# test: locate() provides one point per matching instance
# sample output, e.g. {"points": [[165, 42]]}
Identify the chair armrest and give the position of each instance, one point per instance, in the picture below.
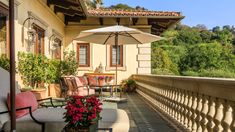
{"points": [[30, 113]]}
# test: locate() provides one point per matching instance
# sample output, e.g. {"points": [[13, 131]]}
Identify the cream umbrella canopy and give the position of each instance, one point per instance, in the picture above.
{"points": [[116, 35]]}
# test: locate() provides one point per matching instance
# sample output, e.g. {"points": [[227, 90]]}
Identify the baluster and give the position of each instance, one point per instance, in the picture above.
{"points": [[189, 114], [218, 115], [182, 114], [227, 120], [176, 105], [167, 101], [233, 122], [164, 100], [205, 110], [186, 110], [172, 102], [198, 113], [194, 115], [211, 114], [179, 105]]}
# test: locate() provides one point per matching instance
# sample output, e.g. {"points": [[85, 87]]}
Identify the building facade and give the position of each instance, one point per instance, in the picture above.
{"points": [[55, 24]]}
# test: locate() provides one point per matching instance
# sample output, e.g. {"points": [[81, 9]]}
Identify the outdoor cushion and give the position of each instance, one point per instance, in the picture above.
{"points": [[116, 119], [83, 80], [24, 99], [92, 81], [5, 89], [53, 117]]}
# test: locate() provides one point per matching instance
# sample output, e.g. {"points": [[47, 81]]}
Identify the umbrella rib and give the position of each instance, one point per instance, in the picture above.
{"points": [[133, 37], [111, 35]]}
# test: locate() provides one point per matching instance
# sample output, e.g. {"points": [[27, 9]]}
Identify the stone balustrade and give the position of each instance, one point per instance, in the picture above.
{"points": [[198, 104]]}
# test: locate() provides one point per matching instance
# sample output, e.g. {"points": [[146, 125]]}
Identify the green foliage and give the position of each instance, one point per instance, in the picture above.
{"points": [[4, 62], [33, 68], [195, 51], [53, 71], [128, 85], [161, 60], [202, 56], [121, 6], [69, 64]]}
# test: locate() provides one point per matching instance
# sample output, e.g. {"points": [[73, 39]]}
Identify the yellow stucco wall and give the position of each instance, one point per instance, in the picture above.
{"points": [[50, 21]]}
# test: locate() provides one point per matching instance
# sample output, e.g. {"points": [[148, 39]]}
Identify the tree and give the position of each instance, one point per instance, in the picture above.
{"points": [[121, 6]]}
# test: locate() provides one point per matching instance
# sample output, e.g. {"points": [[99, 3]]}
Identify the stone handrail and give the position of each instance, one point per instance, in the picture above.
{"points": [[199, 104]]}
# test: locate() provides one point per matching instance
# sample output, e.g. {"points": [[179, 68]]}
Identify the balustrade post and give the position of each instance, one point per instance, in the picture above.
{"points": [[205, 110], [227, 120], [211, 115], [218, 115]]}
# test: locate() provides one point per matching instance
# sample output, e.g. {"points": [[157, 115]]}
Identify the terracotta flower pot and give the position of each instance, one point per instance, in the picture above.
{"points": [[54, 90], [40, 93]]}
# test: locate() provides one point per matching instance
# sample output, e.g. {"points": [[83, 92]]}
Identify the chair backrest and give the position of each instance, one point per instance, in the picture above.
{"points": [[5, 89]]}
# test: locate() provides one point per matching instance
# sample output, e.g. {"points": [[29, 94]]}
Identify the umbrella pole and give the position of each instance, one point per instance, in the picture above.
{"points": [[12, 65], [116, 46]]}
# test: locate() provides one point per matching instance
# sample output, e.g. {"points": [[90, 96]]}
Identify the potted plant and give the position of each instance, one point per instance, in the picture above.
{"points": [[128, 85], [53, 75], [32, 69], [83, 114], [69, 64]]}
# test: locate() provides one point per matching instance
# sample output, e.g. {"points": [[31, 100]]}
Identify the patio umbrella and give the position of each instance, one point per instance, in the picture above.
{"points": [[116, 35]]}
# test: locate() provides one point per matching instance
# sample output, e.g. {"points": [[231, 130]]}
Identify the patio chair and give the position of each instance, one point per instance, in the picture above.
{"points": [[77, 87], [40, 120], [51, 119]]}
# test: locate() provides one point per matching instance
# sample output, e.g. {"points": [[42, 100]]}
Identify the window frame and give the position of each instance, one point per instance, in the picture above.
{"points": [[88, 57], [38, 30], [121, 56]]}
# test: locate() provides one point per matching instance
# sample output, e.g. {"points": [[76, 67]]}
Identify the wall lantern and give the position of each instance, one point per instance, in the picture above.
{"points": [[54, 42], [31, 33]]}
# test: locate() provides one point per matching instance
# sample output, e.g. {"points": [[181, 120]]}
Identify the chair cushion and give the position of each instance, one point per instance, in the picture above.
{"points": [[83, 80], [5, 89], [24, 99], [116, 119], [92, 81], [53, 118]]}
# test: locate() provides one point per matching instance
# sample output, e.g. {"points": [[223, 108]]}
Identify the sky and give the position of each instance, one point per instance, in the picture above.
{"points": [[208, 12]]}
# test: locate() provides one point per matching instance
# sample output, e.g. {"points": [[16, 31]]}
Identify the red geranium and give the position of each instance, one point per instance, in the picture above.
{"points": [[82, 111]]}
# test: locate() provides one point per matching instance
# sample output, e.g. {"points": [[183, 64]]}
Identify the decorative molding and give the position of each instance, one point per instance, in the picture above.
{"points": [[38, 21]]}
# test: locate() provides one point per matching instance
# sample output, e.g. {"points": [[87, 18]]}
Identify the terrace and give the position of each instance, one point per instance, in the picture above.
{"points": [[161, 103]]}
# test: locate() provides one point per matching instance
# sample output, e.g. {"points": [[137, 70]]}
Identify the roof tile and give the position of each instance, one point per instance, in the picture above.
{"points": [[131, 13]]}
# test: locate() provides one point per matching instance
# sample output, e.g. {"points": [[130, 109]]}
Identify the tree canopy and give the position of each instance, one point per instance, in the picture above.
{"points": [[195, 51]]}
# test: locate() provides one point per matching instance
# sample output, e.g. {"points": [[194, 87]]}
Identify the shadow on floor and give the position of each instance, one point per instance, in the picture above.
{"points": [[142, 117]]}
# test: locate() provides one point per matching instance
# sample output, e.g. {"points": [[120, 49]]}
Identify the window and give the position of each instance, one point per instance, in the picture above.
{"points": [[39, 43], [4, 42], [56, 54], [83, 54], [119, 60]]}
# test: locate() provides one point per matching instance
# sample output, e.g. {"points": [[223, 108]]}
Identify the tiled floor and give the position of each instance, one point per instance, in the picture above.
{"points": [[142, 117]]}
